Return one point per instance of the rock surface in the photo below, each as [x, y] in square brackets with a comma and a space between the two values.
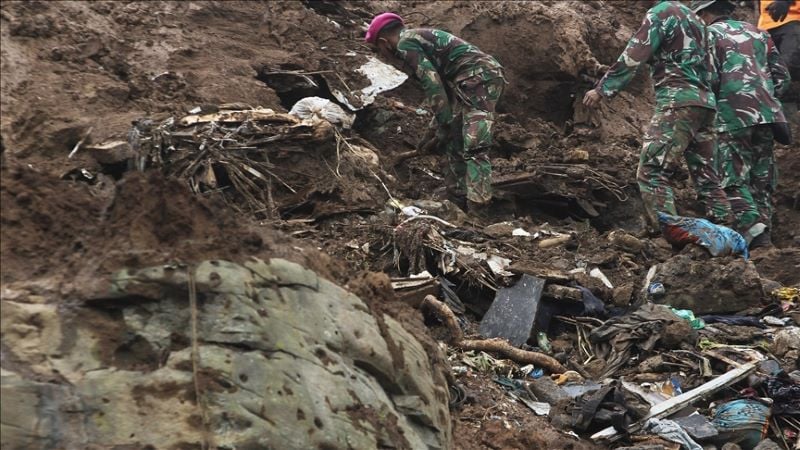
[285, 359]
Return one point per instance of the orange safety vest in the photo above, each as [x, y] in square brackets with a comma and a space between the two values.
[765, 22]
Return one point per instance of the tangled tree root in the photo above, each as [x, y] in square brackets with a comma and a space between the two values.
[497, 345]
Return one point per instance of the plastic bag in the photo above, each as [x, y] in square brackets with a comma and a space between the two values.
[687, 314]
[718, 240]
[316, 109]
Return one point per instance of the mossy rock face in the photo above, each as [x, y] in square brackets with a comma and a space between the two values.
[284, 359]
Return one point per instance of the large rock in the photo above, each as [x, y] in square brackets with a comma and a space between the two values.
[284, 359]
[710, 286]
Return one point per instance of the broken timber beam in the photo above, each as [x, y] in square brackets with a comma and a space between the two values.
[558, 292]
[677, 403]
[548, 274]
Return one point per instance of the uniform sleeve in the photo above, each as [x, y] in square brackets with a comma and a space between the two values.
[641, 47]
[778, 70]
[717, 56]
[423, 69]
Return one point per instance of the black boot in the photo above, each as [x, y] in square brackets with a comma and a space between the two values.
[763, 240]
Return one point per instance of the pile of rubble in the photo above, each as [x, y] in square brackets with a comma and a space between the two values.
[704, 353]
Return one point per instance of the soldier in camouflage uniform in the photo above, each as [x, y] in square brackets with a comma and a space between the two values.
[462, 85]
[750, 77]
[673, 40]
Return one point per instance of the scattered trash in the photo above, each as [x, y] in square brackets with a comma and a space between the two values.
[412, 211]
[676, 403]
[520, 232]
[718, 240]
[656, 290]
[775, 321]
[532, 372]
[597, 273]
[688, 315]
[626, 242]
[671, 431]
[748, 321]
[543, 343]
[642, 329]
[743, 421]
[382, 77]
[498, 265]
[787, 294]
[554, 242]
[315, 109]
[698, 426]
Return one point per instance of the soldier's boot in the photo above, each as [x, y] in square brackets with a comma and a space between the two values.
[751, 233]
[763, 240]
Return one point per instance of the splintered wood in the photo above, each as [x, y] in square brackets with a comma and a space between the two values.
[228, 150]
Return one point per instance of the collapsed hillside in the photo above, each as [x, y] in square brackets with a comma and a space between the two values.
[77, 76]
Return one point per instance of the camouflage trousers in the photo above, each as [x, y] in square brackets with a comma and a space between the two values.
[470, 135]
[749, 174]
[673, 133]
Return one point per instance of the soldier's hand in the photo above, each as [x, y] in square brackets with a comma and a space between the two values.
[592, 99]
[778, 10]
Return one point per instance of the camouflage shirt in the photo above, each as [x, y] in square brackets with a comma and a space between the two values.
[435, 55]
[672, 39]
[749, 75]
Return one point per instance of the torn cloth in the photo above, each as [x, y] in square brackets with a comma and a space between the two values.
[671, 431]
[615, 340]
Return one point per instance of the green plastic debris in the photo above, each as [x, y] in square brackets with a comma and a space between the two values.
[543, 342]
[687, 314]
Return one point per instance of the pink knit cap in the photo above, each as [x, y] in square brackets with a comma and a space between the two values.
[377, 24]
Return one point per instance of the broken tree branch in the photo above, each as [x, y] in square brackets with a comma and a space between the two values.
[444, 313]
[78, 145]
[488, 345]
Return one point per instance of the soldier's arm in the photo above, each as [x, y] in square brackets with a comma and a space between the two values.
[641, 47]
[423, 69]
[778, 70]
[717, 55]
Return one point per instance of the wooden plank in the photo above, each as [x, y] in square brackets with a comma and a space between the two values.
[540, 272]
[558, 292]
[677, 403]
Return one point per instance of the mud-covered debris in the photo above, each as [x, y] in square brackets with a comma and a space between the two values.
[709, 286]
[641, 330]
[673, 432]
[379, 76]
[697, 425]
[264, 163]
[494, 345]
[315, 109]
[677, 403]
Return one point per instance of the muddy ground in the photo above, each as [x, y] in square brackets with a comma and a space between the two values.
[84, 72]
